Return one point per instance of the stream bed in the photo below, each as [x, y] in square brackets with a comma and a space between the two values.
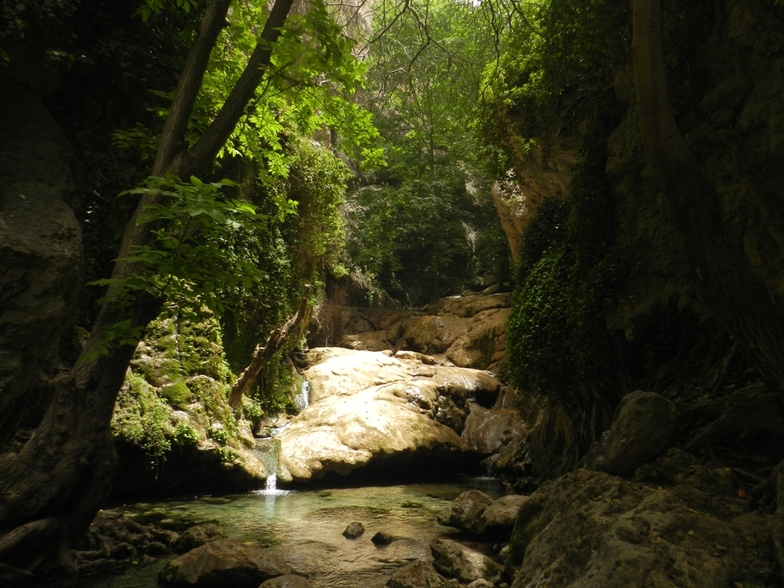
[305, 528]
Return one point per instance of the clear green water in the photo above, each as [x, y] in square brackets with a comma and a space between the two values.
[305, 528]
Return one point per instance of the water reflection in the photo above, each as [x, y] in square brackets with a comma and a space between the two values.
[305, 527]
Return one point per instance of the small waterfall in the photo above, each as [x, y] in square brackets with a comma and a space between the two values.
[302, 399]
[272, 482]
[268, 451]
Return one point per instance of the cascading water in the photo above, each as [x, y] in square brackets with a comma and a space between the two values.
[302, 399]
[272, 482]
[268, 451]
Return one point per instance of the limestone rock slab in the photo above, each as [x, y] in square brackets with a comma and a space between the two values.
[370, 406]
[224, 562]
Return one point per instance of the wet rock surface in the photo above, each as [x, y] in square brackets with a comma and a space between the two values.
[455, 560]
[287, 581]
[371, 407]
[417, 574]
[223, 562]
[114, 542]
[196, 536]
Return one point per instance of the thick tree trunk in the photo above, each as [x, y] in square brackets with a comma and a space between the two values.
[52, 487]
[722, 276]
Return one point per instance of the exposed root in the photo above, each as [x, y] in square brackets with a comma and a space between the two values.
[32, 542]
[778, 544]
[10, 575]
[753, 409]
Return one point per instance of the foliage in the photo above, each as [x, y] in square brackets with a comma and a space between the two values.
[425, 226]
[150, 7]
[18, 16]
[555, 83]
[119, 61]
[415, 238]
[558, 341]
[190, 258]
[317, 183]
[553, 79]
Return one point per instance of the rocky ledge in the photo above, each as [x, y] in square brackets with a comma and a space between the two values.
[404, 409]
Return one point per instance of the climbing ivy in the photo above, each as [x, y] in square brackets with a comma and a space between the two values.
[559, 345]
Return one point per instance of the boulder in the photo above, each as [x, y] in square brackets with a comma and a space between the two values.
[469, 331]
[224, 562]
[481, 583]
[634, 534]
[491, 432]
[369, 407]
[455, 560]
[197, 536]
[287, 581]
[382, 538]
[643, 428]
[417, 574]
[503, 512]
[40, 246]
[354, 530]
[465, 512]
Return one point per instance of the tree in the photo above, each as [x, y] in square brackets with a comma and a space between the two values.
[425, 227]
[52, 486]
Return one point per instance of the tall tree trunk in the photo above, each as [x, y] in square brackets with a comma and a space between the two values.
[52, 487]
[722, 276]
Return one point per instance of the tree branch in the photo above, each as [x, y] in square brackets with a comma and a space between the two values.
[173, 135]
[215, 136]
[262, 355]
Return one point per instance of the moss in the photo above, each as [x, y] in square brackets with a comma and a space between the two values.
[179, 365]
[185, 435]
[142, 419]
[176, 394]
[228, 455]
[201, 349]
[220, 436]
[212, 396]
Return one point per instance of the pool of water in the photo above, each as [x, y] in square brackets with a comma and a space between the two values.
[305, 528]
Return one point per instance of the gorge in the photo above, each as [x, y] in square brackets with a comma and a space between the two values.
[535, 241]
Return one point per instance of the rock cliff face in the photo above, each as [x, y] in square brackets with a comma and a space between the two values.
[469, 331]
[541, 174]
[40, 244]
[735, 131]
[729, 106]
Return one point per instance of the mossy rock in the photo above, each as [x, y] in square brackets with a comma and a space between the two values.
[176, 393]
